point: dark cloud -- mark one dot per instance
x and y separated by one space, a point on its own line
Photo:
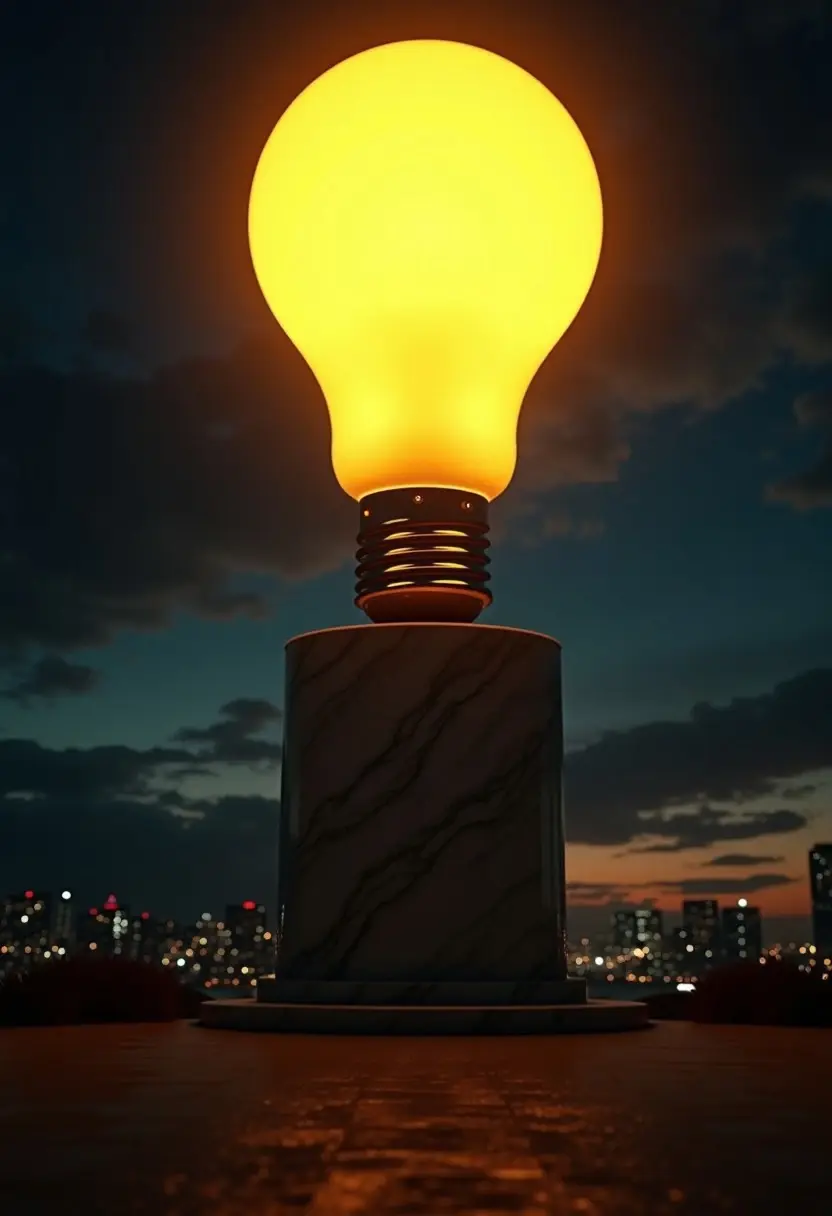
114 816
106 332
529 526
233 739
708 825
599 894
728 886
615 893
798 791
743 859
806 322
151 858
582 444
29 771
52 676
813 487
712 668
561 523
628 783
814 409
135 497
129 499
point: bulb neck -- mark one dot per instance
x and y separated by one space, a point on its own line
423 555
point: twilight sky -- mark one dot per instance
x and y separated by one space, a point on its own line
168 513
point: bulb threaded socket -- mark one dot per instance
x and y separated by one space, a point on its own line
423 555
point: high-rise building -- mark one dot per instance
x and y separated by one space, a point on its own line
143 939
681 946
167 939
25 926
209 941
820 871
623 930
63 929
648 928
245 926
106 928
700 920
742 932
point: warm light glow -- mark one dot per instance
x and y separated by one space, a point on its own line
425 222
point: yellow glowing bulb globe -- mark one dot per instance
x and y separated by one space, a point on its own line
425 222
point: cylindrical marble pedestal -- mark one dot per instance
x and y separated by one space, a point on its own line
421 878
421 828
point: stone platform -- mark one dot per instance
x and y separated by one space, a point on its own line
569 991
292 1017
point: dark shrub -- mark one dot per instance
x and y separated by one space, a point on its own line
776 994
93 990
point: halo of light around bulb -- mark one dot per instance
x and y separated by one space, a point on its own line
425 222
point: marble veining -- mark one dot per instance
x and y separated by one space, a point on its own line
421 834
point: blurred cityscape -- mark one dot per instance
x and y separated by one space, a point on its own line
233 950
228 951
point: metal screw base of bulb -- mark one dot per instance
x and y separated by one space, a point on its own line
423 555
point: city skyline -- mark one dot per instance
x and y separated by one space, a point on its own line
169 516
635 924
238 945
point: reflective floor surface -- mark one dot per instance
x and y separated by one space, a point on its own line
177 1120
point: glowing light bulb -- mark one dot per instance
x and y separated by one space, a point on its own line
425 222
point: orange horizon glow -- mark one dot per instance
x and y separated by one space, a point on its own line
425 222
647 878
671 902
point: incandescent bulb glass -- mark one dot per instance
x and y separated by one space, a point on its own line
425 222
